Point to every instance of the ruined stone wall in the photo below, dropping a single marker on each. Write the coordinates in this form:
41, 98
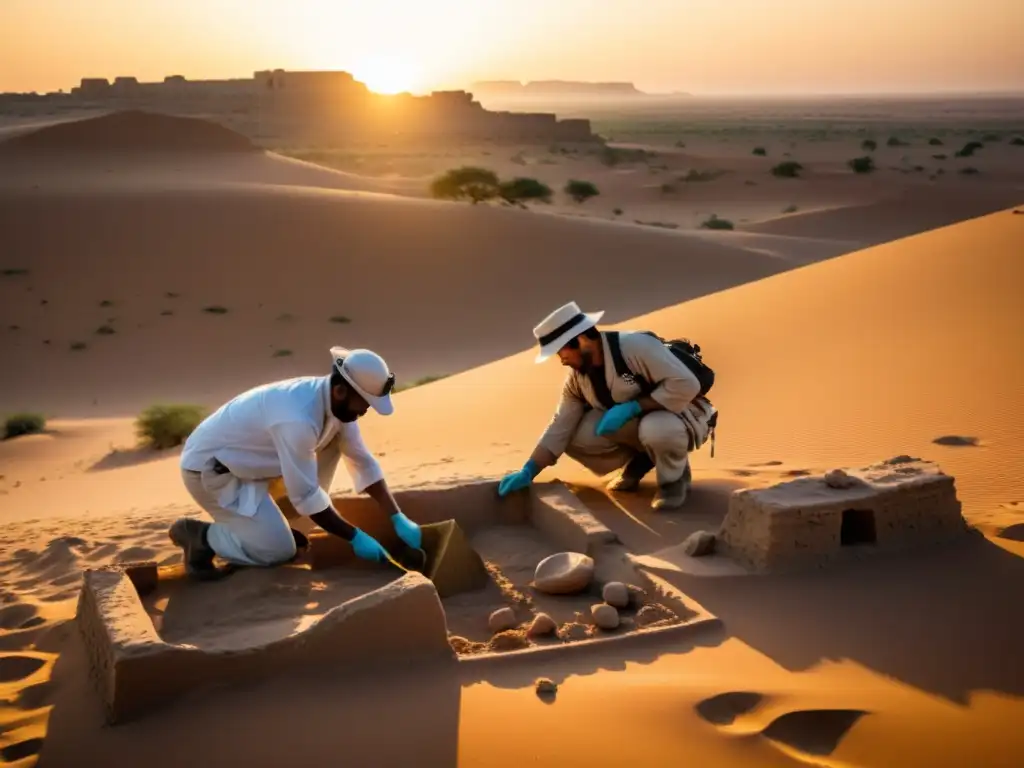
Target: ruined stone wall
894, 506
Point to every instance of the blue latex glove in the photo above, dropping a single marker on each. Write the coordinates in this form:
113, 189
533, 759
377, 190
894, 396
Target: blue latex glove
516, 481
367, 547
407, 530
616, 416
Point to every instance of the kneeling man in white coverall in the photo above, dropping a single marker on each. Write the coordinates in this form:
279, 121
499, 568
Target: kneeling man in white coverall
619, 427
297, 430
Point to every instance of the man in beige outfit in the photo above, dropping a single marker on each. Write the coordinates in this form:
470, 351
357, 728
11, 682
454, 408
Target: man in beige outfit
606, 422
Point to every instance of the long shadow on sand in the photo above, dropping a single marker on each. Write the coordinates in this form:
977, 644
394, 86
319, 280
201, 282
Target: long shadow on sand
522, 670
127, 457
947, 620
315, 717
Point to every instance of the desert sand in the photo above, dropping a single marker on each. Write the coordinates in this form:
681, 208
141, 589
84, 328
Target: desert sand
828, 354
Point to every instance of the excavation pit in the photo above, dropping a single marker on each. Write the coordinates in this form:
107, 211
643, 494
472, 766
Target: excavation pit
151, 634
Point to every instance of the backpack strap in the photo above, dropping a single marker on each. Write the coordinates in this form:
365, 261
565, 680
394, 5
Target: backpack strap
621, 369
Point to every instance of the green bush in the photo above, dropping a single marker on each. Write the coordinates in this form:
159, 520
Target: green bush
760, 151
1017, 141
24, 424
466, 182
935, 142
716, 223
167, 426
865, 164
522, 189
581, 191
790, 169
869, 144
969, 148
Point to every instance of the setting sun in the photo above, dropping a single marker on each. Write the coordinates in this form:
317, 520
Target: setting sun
386, 74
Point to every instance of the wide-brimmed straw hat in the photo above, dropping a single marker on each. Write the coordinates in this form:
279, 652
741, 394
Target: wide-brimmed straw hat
565, 323
368, 374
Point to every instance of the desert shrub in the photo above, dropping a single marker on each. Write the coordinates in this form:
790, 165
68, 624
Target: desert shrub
869, 145
969, 148
716, 223
896, 141
790, 169
581, 191
611, 156
668, 189
23, 424
991, 137
467, 182
105, 330
282, 353
969, 171
521, 189
1017, 141
939, 157
935, 142
760, 151
340, 319
617, 211
167, 426
78, 346
215, 310
790, 209
13, 272
865, 164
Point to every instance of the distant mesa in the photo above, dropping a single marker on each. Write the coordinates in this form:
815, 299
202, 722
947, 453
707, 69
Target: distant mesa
553, 88
132, 130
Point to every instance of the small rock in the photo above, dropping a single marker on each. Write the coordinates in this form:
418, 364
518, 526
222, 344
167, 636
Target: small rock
545, 686
564, 574
615, 594
574, 631
509, 640
501, 619
604, 615
837, 478
699, 544
541, 625
637, 596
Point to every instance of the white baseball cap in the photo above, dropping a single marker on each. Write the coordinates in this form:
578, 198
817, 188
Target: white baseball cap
368, 374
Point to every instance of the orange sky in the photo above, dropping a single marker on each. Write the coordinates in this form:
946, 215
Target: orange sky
701, 46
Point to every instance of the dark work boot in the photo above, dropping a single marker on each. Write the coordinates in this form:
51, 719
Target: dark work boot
631, 475
190, 534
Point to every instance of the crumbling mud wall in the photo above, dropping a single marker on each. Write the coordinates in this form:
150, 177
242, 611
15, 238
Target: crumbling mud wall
896, 505
134, 670
550, 507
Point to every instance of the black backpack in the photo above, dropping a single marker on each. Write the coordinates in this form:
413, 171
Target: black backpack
683, 349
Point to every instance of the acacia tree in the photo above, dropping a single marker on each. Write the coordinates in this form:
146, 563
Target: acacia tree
520, 190
581, 191
467, 182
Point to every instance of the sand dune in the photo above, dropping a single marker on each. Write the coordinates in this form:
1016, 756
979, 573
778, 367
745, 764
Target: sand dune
908, 347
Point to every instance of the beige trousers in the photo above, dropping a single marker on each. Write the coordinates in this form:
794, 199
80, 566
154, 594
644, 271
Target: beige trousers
662, 435
265, 537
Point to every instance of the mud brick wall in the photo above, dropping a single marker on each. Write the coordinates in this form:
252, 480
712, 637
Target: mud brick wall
134, 670
799, 523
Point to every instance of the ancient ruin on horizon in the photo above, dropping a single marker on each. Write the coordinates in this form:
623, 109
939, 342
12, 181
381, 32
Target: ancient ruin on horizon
313, 105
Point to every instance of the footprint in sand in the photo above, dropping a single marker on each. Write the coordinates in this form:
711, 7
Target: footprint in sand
35, 696
22, 749
958, 441
726, 707
813, 731
15, 667
102, 553
133, 554
15, 616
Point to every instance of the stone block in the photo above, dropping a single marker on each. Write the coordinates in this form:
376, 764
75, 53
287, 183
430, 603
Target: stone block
559, 514
895, 505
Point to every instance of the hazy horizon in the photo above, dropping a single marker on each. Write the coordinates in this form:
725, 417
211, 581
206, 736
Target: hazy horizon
742, 47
